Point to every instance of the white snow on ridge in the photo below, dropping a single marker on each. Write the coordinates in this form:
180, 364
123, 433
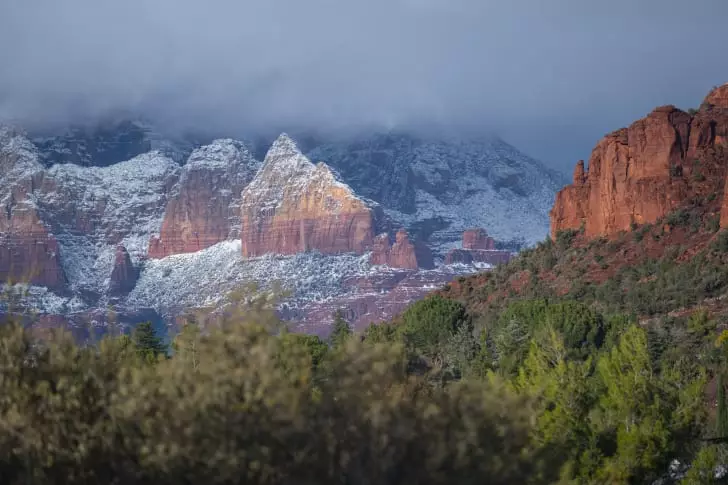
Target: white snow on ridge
123, 202
221, 154
287, 171
205, 277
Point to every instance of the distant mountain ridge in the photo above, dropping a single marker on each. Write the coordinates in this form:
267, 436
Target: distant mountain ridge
142, 233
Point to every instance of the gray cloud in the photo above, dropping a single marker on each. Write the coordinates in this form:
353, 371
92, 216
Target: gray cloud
551, 76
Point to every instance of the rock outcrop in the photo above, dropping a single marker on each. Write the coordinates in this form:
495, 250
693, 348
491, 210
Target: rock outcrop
438, 187
29, 253
478, 248
478, 239
639, 174
403, 253
124, 275
205, 206
294, 206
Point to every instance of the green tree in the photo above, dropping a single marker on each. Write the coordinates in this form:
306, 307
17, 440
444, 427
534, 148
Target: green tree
429, 324
186, 345
341, 330
722, 413
147, 342
646, 415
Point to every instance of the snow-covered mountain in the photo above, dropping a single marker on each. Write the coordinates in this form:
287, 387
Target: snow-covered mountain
76, 219
439, 188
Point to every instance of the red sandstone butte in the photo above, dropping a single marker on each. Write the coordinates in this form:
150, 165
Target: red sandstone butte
29, 253
478, 239
293, 206
478, 247
205, 210
402, 254
124, 275
639, 174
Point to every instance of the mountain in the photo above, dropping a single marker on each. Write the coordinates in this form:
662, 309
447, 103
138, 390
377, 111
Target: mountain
615, 326
637, 175
158, 233
437, 189
639, 231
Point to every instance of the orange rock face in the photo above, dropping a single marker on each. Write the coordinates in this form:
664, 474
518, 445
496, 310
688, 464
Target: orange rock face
639, 174
717, 98
402, 254
28, 252
293, 206
206, 208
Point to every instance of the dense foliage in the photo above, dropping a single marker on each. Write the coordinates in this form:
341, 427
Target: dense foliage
247, 402
609, 380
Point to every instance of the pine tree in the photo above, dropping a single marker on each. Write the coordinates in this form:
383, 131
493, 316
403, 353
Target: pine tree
147, 342
341, 331
722, 415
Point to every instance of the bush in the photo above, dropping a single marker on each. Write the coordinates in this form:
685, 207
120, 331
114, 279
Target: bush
565, 238
677, 218
720, 244
246, 413
428, 324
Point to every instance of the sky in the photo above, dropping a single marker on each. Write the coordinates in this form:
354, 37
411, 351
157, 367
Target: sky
549, 76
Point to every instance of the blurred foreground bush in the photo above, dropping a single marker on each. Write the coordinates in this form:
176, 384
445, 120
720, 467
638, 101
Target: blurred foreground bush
237, 404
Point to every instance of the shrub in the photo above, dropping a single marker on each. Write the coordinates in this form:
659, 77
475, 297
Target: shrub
428, 324
677, 218
720, 244
244, 414
565, 238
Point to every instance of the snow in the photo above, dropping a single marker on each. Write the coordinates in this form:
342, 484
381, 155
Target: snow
204, 277
221, 154
286, 172
18, 155
483, 183
39, 297
91, 210
123, 204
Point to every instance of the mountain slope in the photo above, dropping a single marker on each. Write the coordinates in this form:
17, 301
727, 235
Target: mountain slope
439, 188
638, 232
152, 236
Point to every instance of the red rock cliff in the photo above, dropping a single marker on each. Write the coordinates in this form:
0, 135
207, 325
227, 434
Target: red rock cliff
637, 175
402, 254
478, 239
205, 210
28, 251
478, 247
293, 206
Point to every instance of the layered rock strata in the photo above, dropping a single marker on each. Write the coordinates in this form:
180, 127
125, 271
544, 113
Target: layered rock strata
294, 206
204, 208
403, 253
639, 174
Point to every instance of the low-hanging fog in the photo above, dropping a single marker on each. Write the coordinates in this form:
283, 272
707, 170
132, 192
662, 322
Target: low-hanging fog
551, 77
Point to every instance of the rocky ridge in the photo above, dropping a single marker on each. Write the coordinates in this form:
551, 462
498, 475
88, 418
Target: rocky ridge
204, 207
438, 188
639, 174
294, 206
153, 237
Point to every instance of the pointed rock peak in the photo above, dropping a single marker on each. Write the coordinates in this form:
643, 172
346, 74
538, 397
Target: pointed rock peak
579, 173
401, 236
718, 97
284, 146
